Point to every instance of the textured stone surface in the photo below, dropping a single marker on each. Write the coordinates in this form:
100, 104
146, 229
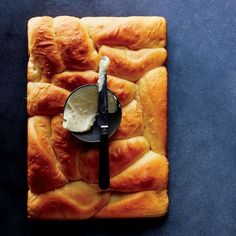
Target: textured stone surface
202, 111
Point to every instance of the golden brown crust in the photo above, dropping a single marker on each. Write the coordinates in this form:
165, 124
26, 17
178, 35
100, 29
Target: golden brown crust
43, 169
131, 122
152, 91
122, 153
63, 172
132, 32
45, 99
66, 148
130, 64
150, 172
42, 46
141, 204
123, 89
77, 51
75, 200
70, 80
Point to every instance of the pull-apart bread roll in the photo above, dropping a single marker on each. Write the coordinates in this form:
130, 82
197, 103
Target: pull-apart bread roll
64, 53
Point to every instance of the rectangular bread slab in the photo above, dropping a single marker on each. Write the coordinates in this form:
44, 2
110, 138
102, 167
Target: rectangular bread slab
64, 53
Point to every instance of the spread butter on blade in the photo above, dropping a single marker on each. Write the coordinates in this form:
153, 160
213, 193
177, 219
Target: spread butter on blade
103, 65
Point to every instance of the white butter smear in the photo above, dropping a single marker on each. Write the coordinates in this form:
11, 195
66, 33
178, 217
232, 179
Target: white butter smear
103, 65
81, 109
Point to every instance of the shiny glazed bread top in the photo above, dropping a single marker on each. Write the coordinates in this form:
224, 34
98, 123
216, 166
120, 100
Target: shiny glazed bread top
64, 53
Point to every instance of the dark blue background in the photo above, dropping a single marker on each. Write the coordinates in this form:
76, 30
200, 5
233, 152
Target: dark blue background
202, 112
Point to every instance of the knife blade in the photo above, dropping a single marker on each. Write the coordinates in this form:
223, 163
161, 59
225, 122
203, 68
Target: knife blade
102, 119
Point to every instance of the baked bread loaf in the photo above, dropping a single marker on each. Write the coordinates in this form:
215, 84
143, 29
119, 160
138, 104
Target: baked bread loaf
64, 53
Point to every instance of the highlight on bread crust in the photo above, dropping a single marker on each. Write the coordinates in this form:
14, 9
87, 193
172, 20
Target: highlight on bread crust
64, 53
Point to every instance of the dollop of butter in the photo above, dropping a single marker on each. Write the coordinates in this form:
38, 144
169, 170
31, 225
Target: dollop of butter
81, 109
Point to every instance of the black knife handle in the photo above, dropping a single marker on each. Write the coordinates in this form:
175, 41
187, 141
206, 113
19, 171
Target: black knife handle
104, 171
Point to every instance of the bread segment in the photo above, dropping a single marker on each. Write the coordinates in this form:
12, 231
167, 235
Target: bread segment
150, 172
64, 53
70, 80
135, 32
66, 147
152, 93
42, 46
131, 121
44, 172
45, 99
76, 48
76, 200
132, 64
141, 204
122, 154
